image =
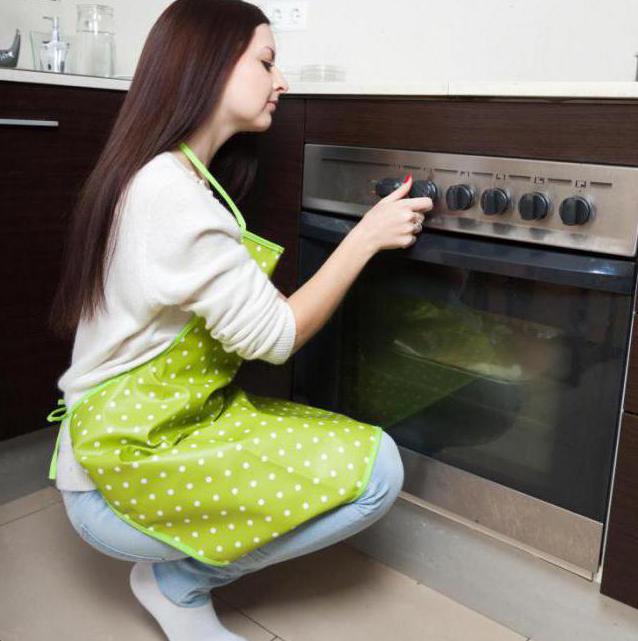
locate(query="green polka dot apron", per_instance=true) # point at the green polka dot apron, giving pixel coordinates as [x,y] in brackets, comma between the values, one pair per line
[181,453]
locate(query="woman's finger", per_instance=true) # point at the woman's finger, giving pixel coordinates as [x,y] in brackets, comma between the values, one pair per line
[419,204]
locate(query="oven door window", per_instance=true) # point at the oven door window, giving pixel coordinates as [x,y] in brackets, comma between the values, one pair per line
[514,380]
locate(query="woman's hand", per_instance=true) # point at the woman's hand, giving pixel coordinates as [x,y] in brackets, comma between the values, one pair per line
[394,222]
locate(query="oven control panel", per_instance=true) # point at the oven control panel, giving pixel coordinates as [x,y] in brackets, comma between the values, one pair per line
[581,206]
[496,201]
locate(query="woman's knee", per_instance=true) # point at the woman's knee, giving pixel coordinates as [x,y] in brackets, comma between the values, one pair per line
[386,479]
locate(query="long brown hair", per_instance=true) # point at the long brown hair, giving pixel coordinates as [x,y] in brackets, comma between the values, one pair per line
[185,64]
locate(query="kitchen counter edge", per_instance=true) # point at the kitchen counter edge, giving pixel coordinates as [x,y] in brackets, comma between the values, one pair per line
[575,89]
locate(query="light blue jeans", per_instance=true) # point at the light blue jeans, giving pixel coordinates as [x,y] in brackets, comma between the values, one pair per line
[186,581]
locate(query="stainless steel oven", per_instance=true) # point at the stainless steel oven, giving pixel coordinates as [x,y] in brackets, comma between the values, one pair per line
[494,349]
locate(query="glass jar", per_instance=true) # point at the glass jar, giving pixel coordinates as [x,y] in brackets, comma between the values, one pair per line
[95,52]
[322,73]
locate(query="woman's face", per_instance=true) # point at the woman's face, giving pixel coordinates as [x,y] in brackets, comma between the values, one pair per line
[254,84]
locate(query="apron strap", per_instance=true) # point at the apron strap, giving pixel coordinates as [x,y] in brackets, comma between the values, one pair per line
[57,415]
[188,152]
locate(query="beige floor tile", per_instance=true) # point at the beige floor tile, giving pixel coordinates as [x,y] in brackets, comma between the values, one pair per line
[29,504]
[240,624]
[340,594]
[55,587]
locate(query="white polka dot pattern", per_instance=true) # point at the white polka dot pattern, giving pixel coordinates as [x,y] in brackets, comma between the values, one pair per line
[183,454]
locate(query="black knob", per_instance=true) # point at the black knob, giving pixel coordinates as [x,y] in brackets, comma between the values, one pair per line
[459,197]
[533,206]
[495,201]
[424,188]
[386,186]
[576,210]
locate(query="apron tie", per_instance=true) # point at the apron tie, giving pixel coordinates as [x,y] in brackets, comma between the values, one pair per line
[57,415]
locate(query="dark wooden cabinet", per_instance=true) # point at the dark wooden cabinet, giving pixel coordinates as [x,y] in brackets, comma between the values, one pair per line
[620,573]
[620,567]
[41,170]
[272,210]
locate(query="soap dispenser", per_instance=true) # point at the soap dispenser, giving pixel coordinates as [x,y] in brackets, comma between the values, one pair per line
[54,52]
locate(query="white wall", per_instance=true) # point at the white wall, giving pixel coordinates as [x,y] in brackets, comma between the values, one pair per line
[409,40]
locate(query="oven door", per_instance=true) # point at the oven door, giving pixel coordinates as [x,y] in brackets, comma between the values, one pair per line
[497,369]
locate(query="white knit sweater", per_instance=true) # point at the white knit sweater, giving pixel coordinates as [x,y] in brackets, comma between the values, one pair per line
[178,251]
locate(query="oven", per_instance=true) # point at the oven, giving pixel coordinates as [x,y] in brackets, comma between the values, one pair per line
[494,349]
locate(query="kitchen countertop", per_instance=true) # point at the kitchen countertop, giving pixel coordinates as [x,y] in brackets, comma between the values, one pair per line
[552,89]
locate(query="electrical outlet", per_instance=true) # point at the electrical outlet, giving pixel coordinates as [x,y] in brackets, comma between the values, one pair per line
[288,15]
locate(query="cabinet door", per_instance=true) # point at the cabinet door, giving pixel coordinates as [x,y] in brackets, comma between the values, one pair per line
[620,565]
[620,569]
[42,167]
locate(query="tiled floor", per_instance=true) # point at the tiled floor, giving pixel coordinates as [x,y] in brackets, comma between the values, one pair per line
[54,586]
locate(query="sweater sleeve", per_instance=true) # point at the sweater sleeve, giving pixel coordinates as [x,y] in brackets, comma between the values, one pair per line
[193,258]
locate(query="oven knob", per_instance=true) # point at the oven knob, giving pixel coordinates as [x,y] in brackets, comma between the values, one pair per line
[459,197]
[386,186]
[576,210]
[495,201]
[424,188]
[533,206]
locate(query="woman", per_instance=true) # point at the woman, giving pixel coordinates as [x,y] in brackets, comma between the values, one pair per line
[163,460]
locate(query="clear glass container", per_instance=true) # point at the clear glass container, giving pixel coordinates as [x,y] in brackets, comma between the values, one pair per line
[39,37]
[95,40]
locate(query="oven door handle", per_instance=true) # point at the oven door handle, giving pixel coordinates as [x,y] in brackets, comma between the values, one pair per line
[517,261]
